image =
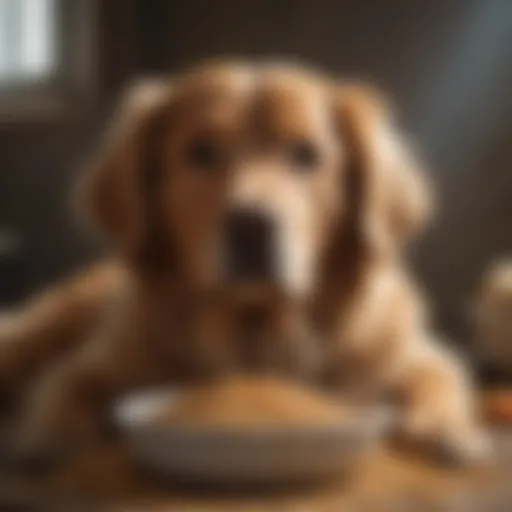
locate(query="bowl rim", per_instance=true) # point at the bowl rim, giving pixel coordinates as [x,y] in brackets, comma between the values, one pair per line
[130,415]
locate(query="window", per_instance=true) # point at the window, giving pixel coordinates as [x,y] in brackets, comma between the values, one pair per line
[27,40]
[45,55]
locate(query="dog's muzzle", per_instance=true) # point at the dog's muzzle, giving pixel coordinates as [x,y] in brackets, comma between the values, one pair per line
[250,245]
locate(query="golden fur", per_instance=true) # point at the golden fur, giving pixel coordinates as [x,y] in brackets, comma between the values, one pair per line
[346,310]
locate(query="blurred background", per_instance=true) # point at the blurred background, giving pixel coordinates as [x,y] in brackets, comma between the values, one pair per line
[446,64]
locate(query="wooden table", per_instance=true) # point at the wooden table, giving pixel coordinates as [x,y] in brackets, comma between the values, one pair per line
[386,481]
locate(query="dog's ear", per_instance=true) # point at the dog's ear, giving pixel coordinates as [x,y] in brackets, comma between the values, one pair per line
[389,197]
[115,180]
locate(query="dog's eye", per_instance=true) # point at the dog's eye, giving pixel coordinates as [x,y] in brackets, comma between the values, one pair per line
[303,155]
[203,154]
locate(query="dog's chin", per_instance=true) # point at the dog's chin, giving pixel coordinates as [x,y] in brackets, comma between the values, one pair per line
[261,291]
[253,290]
[292,282]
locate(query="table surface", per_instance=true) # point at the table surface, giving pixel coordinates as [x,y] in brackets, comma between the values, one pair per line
[387,480]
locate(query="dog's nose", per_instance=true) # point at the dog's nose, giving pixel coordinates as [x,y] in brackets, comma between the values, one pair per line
[250,241]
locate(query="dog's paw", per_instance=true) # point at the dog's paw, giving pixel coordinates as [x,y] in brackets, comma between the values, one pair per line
[49,436]
[35,461]
[37,448]
[465,449]
[451,443]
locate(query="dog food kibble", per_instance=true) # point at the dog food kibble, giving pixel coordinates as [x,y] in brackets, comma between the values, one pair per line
[251,402]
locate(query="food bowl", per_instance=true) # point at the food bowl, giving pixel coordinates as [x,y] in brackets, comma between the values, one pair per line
[267,452]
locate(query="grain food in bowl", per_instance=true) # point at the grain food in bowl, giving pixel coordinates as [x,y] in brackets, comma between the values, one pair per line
[251,402]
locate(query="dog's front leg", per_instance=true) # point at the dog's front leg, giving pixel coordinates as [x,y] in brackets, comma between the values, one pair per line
[57,321]
[440,410]
[68,408]
[63,413]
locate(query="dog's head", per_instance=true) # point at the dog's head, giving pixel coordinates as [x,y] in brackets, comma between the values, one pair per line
[236,176]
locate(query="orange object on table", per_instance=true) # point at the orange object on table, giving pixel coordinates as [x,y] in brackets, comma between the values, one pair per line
[497,406]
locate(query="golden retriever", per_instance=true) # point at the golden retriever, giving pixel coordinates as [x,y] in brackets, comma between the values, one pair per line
[258,216]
